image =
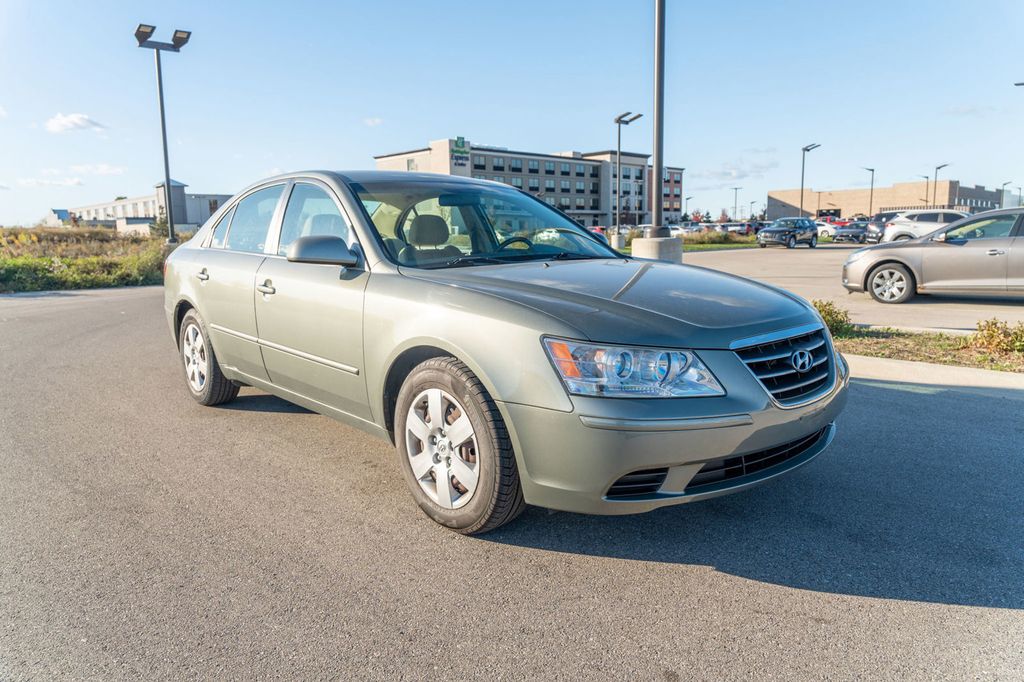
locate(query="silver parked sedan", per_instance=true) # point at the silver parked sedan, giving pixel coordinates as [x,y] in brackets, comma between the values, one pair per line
[509,354]
[981,254]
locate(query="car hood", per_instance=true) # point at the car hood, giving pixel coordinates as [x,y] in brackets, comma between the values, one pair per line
[778,229]
[636,301]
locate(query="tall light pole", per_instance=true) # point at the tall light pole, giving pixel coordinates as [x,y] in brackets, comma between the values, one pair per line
[927,179]
[935,186]
[1019,203]
[803,163]
[752,208]
[686,209]
[735,201]
[143,34]
[1002,193]
[620,120]
[871,195]
[659,118]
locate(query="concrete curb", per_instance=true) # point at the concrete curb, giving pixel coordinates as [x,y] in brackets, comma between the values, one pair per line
[990,382]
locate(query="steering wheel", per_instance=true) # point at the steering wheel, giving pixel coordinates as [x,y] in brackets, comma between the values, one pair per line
[513,240]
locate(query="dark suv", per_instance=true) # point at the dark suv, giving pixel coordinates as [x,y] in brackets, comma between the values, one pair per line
[789,232]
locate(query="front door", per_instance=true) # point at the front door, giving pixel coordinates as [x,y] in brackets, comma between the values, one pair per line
[310,317]
[973,257]
[227,280]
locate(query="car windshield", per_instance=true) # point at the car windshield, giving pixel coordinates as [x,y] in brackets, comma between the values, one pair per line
[440,224]
[783,223]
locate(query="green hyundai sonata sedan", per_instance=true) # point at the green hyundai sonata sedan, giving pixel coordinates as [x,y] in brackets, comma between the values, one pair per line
[509,354]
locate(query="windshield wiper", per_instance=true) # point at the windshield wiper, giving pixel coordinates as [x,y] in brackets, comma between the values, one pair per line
[569,255]
[470,260]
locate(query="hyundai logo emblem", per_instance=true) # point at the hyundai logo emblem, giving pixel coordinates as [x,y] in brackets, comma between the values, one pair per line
[801,360]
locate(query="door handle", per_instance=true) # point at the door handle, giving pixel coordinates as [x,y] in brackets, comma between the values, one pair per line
[203,276]
[265,288]
[996,252]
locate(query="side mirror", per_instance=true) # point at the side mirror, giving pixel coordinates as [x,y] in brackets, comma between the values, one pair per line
[322,250]
[940,237]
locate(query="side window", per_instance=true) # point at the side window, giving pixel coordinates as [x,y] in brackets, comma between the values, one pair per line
[951,217]
[311,211]
[252,220]
[987,228]
[217,241]
[927,218]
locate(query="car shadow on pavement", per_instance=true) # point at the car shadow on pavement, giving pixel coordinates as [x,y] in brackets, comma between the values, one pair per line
[263,402]
[920,497]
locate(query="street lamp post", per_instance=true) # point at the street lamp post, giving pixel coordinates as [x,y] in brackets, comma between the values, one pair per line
[935,185]
[620,120]
[803,163]
[686,208]
[1019,203]
[659,118]
[927,179]
[752,208]
[871,195]
[144,34]
[735,202]
[1002,193]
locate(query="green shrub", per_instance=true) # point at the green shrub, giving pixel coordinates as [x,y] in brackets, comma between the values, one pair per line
[34,273]
[997,336]
[836,318]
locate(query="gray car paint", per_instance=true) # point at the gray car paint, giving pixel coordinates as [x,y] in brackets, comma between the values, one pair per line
[492,318]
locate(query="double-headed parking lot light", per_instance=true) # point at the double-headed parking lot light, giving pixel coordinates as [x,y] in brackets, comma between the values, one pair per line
[144,36]
[935,185]
[871,195]
[1002,193]
[621,120]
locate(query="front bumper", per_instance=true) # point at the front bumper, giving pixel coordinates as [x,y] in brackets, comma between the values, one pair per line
[569,460]
[769,238]
[854,273]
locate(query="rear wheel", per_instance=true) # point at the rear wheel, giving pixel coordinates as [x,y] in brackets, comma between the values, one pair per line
[454,449]
[763,246]
[203,376]
[791,243]
[814,241]
[891,283]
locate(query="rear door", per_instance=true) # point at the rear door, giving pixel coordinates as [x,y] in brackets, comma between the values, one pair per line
[227,279]
[310,316]
[973,258]
[1015,262]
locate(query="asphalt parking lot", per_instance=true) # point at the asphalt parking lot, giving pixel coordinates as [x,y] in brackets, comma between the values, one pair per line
[817,273]
[142,535]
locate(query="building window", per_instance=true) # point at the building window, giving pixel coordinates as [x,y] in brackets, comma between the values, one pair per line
[534,184]
[675,191]
[516,165]
[563,168]
[677,177]
[594,187]
[498,178]
[564,185]
[595,171]
[581,187]
[213,205]
[594,204]
[563,202]
[549,185]
[533,165]
[639,173]
[517,182]
[639,205]
[410,164]
[498,163]
[627,172]
[549,168]
[479,163]
[477,176]
[665,205]
[581,203]
[549,201]
[581,170]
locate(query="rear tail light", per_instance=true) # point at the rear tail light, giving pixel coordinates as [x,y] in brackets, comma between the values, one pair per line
[889,224]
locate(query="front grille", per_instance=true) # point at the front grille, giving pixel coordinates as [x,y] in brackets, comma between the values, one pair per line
[719,470]
[772,365]
[643,482]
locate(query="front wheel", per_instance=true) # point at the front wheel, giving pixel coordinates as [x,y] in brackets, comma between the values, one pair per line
[814,241]
[763,246]
[454,449]
[791,243]
[891,283]
[203,376]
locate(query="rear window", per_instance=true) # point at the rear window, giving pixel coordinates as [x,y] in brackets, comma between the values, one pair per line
[252,220]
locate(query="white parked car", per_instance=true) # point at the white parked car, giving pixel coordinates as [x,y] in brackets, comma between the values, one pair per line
[914,224]
[825,229]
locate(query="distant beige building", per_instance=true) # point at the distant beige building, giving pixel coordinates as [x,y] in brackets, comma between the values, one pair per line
[190,210]
[846,203]
[581,184]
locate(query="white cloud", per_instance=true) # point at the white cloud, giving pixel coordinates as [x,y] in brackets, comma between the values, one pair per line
[50,171]
[3,112]
[97,169]
[373,122]
[729,173]
[62,123]
[46,182]
[3,186]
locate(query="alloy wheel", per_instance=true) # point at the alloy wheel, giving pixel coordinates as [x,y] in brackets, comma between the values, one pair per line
[197,363]
[442,448]
[889,285]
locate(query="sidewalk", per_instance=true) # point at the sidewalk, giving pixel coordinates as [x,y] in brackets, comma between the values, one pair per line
[979,381]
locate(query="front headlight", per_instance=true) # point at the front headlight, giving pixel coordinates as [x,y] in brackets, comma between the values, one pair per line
[630,371]
[856,255]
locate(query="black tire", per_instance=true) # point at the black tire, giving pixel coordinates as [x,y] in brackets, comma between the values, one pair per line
[814,241]
[763,246]
[908,291]
[498,496]
[791,243]
[216,389]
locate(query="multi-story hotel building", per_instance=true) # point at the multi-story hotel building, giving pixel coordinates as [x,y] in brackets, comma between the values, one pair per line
[583,185]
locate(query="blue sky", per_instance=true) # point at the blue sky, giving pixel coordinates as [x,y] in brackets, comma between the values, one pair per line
[262,87]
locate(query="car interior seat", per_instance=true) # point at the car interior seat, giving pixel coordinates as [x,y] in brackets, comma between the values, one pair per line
[427,237]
